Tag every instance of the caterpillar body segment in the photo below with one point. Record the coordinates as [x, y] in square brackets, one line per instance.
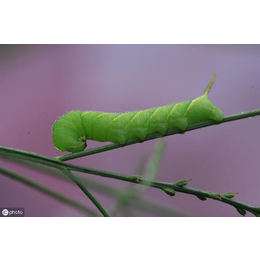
[71, 131]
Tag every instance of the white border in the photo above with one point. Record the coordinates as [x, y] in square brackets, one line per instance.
[133, 21]
[129, 238]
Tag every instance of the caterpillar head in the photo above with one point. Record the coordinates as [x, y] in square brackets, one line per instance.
[68, 133]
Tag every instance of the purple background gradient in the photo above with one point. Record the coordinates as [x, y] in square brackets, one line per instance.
[39, 83]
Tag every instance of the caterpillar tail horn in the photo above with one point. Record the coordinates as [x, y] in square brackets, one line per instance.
[207, 90]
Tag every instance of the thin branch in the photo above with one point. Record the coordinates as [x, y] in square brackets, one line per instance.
[78, 206]
[49, 160]
[165, 185]
[154, 136]
[129, 178]
[114, 192]
[86, 191]
[145, 205]
[57, 163]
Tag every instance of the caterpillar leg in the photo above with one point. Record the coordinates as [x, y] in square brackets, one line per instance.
[141, 134]
[120, 139]
[157, 122]
[216, 115]
[136, 128]
[182, 123]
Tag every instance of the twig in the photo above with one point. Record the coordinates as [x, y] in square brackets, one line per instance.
[144, 204]
[154, 136]
[169, 188]
[174, 187]
[86, 191]
[41, 158]
[139, 180]
[48, 192]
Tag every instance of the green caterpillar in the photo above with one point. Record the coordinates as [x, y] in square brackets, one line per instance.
[71, 130]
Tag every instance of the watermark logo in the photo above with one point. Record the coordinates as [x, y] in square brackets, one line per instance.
[12, 212]
[5, 212]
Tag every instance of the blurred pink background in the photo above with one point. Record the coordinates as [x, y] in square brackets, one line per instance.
[39, 83]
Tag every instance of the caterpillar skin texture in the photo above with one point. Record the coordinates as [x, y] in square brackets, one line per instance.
[71, 130]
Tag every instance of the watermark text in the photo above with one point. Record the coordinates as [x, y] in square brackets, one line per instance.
[11, 212]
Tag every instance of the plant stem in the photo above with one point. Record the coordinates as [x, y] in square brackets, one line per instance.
[48, 192]
[154, 136]
[57, 163]
[163, 185]
[87, 193]
[108, 190]
[38, 157]
[129, 178]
